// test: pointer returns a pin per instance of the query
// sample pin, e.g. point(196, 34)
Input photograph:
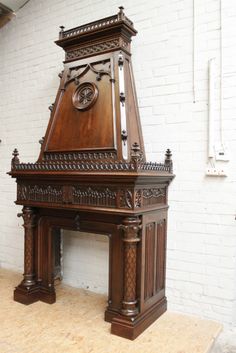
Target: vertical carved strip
point(160, 251)
point(130, 227)
point(29, 225)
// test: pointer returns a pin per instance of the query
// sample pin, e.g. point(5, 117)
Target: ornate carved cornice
point(102, 24)
point(115, 33)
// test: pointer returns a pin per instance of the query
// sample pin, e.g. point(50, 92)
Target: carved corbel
point(41, 141)
point(51, 107)
point(61, 74)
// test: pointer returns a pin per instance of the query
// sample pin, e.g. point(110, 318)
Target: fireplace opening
point(81, 259)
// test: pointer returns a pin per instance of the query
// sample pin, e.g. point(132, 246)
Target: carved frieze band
point(40, 193)
point(152, 196)
point(95, 197)
point(91, 196)
point(96, 48)
point(148, 197)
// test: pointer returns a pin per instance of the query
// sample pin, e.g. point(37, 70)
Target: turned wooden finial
point(168, 160)
point(121, 13)
point(61, 32)
point(136, 154)
point(15, 160)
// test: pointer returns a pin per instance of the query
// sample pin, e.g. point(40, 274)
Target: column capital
point(29, 216)
point(131, 227)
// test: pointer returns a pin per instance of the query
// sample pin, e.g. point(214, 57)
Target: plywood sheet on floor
point(75, 324)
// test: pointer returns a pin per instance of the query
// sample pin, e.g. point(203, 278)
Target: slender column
point(130, 227)
point(29, 216)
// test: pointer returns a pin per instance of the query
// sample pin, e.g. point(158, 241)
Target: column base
point(131, 328)
point(110, 314)
point(33, 294)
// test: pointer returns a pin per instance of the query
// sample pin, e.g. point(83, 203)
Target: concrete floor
point(225, 342)
point(75, 324)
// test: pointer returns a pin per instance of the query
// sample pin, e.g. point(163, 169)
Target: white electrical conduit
point(211, 106)
point(194, 53)
point(221, 74)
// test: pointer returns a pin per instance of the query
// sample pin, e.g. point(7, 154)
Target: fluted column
point(130, 227)
point(28, 214)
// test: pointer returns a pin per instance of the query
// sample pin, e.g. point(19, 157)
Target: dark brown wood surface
point(92, 176)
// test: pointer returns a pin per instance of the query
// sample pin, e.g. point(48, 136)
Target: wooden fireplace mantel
point(92, 175)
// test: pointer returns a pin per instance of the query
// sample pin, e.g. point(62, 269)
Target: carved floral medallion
point(85, 96)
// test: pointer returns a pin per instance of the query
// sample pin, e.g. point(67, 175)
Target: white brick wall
point(202, 236)
point(86, 260)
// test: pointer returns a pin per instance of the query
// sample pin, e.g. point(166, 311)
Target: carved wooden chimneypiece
point(92, 175)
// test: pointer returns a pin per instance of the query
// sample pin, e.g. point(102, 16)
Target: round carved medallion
point(85, 96)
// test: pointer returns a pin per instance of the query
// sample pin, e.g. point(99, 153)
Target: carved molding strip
point(153, 193)
point(40, 193)
point(94, 197)
point(96, 48)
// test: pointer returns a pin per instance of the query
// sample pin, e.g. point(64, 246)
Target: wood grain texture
point(92, 175)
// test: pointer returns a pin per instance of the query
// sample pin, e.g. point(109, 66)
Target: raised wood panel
point(154, 259)
point(149, 261)
point(160, 256)
point(91, 128)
